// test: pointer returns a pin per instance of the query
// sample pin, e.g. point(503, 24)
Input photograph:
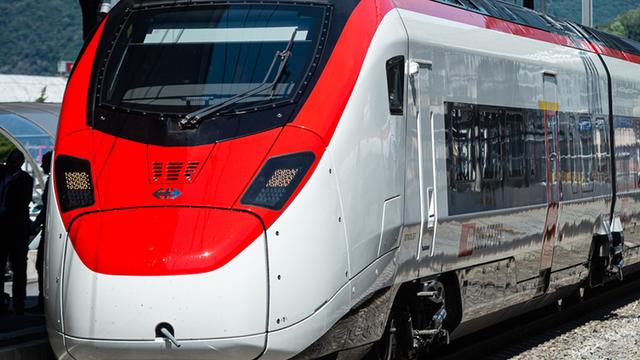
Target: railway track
point(515, 336)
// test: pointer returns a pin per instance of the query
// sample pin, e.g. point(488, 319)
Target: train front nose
point(127, 271)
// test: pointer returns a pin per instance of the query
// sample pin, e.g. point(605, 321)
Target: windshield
point(183, 59)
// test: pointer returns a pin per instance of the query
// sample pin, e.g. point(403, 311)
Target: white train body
point(495, 179)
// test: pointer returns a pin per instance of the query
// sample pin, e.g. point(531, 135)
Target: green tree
point(5, 147)
point(604, 11)
point(43, 95)
point(36, 34)
point(626, 25)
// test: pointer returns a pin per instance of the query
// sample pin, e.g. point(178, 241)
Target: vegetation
point(626, 25)
point(36, 34)
point(6, 147)
point(605, 11)
point(43, 95)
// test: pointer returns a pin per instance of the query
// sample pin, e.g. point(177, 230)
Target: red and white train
point(277, 179)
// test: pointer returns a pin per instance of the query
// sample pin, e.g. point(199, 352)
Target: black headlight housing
point(74, 182)
point(277, 180)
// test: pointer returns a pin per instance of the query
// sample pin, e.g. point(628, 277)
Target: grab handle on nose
point(170, 337)
point(166, 331)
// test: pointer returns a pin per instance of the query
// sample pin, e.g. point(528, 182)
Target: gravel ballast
point(610, 332)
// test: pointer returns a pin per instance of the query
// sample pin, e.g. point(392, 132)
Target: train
point(324, 179)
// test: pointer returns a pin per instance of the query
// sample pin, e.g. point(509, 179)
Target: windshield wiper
point(194, 119)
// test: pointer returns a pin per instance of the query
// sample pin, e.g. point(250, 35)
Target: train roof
point(524, 16)
point(612, 41)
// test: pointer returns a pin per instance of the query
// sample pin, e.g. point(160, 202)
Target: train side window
point(564, 154)
point(535, 146)
point(490, 144)
point(395, 85)
point(452, 2)
point(635, 154)
point(577, 155)
point(585, 130)
point(571, 148)
point(466, 4)
point(626, 153)
point(601, 142)
point(460, 123)
point(566, 141)
point(514, 140)
point(527, 17)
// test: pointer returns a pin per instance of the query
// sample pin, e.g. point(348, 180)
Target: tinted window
point(571, 155)
point(526, 16)
point(395, 84)
point(183, 59)
point(585, 130)
point(601, 145)
point(490, 154)
point(452, 2)
point(514, 141)
point(536, 137)
point(462, 144)
point(627, 140)
point(578, 176)
point(615, 42)
point(497, 156)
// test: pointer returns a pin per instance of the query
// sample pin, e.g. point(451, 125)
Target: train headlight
point(73, 182)
point(277, 180)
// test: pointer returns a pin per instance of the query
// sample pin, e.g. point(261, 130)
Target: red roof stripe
point(443, 11)
point(453, 13)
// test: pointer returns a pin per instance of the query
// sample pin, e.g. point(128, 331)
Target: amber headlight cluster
point(73, 182)
point(277, 180)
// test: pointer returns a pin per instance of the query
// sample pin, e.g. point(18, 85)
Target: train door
point(420, 72)
point(549, 106)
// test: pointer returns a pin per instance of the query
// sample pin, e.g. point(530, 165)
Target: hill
point(604, 11)
point(626, 25)
point(36, 34)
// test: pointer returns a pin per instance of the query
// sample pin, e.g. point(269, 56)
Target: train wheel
point(386, 347)
point(574, 298)
point(396, 342)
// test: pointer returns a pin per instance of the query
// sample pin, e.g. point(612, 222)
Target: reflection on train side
point(627, 148)
point(497, 164)
point(497, 157)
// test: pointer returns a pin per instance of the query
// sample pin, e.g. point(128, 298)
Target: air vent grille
point(174, 171)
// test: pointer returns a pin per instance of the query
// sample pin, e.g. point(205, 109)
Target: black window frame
point(587, 160)
point(602, 150)
point(455, 162)
point(296, 93)
point(395, 70)
point(162, 128)
point(514, 116)
point(486, 142)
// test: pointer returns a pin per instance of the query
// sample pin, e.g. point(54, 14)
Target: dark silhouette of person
point(39, 224)
point(16, 188)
